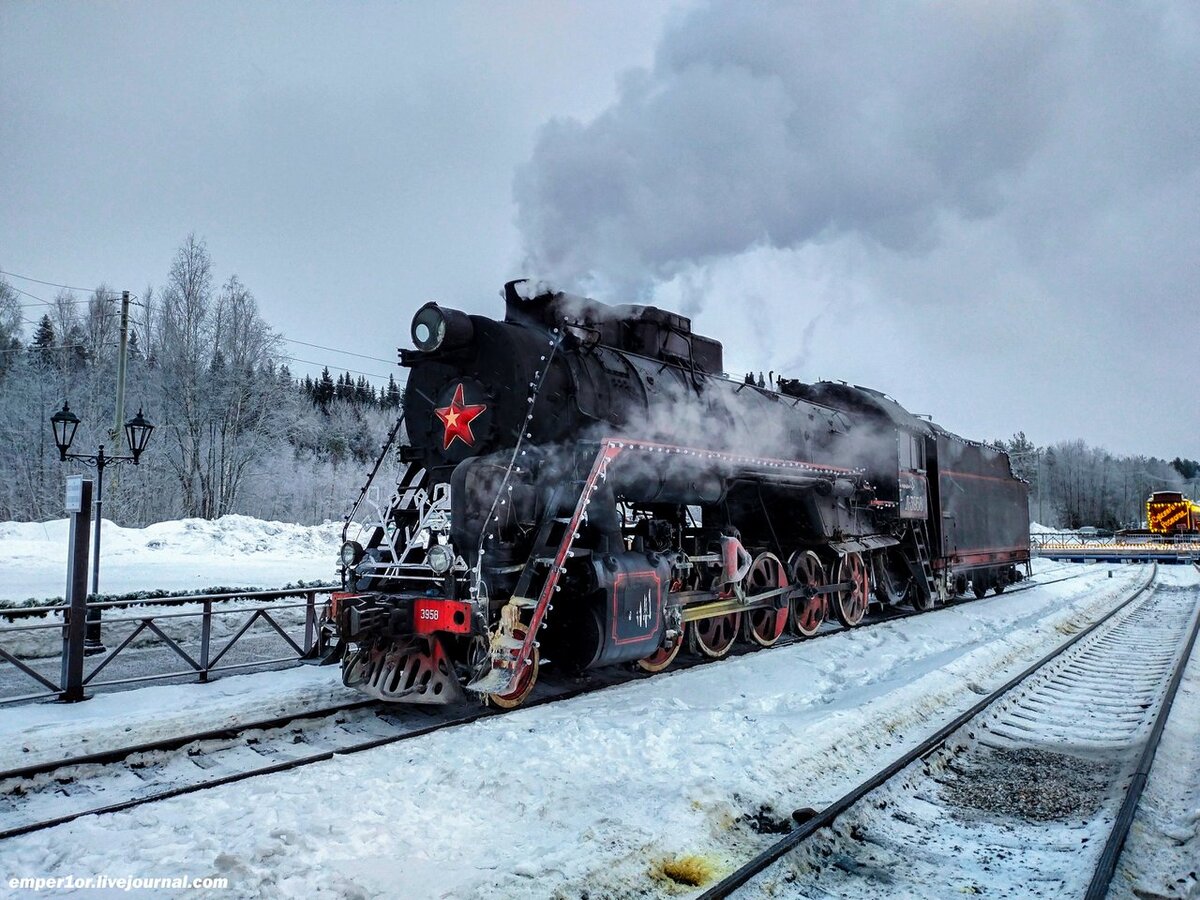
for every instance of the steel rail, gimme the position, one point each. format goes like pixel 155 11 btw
pixel 286 765
pixel 830 814
pixel 594 684
pixel 117 754
pixel 1107 865
pixel 173 743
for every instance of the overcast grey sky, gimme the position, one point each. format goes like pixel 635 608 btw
pixel 991 211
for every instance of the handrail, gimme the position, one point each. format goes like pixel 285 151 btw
pixel 1149 542
pixel 18 611
pixel 68 687
pixel 383 452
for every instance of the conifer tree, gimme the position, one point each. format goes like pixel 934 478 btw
pixel 324 390
pixel 392 398
pixel 43 338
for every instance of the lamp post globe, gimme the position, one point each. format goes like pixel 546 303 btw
pixel 64 422
pixel 137 432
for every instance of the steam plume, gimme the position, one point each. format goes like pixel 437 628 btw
pixel 781 124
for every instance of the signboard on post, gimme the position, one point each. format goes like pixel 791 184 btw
pixel 74 498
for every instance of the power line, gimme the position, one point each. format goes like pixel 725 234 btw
pixel 298 359
pixel 134 297
pixel 287 340
pixel 55 284
pixel 35 349
pixel 112 315
pixel 327 366
pixel 51 303
pixel 336 350
pixel 33 296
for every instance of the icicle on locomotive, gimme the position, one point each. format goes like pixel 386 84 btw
pixel 582 481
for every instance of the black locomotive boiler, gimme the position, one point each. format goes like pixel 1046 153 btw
pixel 581 482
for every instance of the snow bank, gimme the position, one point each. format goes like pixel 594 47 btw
pixel 185 554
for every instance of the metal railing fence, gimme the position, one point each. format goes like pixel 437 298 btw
pixel 78 671
pixel 1075 547
pixel 1055 539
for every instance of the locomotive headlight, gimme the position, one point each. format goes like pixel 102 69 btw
pixel 352 552
pixel 440 558
pixel 436 328
pixel 428 328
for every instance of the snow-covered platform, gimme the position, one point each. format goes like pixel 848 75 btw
pixel 1078 548
pixel 589 795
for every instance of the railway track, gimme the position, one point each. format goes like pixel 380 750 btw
pixel 1030 792
pixel 36 797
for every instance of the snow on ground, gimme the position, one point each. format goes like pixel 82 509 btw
pixel 186 554
pixel 588 796
pixel 969 822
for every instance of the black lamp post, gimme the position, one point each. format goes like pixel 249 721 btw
pixel 137 431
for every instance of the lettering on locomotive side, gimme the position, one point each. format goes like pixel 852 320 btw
pixel 643 614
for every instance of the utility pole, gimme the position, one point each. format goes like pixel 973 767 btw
pixel 119 418
pixel 1041 488
pixel 116 436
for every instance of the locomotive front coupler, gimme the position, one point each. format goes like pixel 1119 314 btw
pixel 402 615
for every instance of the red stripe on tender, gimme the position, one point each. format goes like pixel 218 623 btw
pixel 953 474
pixel 989 555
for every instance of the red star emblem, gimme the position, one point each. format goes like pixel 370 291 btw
pixel 457 418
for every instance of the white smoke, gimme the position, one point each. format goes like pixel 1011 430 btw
pixel 907 195
pixel 781 123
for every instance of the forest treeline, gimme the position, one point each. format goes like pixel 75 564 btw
pixel 238 433
pixel 1072 485
pixel 235 432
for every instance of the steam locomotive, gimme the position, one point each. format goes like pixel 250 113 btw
pixel 580 483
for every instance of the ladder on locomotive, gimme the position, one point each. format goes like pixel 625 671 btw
pixel 565 513
pixel 922 562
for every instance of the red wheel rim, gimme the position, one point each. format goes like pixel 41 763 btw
pixel 663 656
pixel 524 682
pixel 714 637
pixel 765 626
pixel 852 602
pixel 808 612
